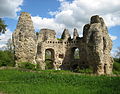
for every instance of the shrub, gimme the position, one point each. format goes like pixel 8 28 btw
pixel 88 71
pixel 49 64
pixel 117 60
pixel 83 70
pixel 26 65
pixel 6 58
pixel 59 39
pixel 116 66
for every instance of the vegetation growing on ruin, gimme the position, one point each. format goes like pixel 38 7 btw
pixel 59 39
pixel 26 65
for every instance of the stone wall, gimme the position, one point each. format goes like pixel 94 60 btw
pixel 24 39
pixel 94 47
pixel 98 45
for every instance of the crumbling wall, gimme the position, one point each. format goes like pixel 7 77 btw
pixel 24 40
pixel 98 46
pixel 94 47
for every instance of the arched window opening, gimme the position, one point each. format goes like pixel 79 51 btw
pixel 49 58
pixel 76 54
pixel 20 36
pixel 105 68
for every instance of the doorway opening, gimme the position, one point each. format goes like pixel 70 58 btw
pixel 75 53
pixel 49 58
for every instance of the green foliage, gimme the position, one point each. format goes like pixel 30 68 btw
pixel 87 71
pixel 2 26
pixel 76 54
pixel 26 65
pixel 116 68
pixel 48 59
pixel 59 39
pixel 6 58
pixel 117 60
pixel 56 71
pixel 118 53
pixel 21 82
pixel 48 54
pixel 84 70
pixel 49 64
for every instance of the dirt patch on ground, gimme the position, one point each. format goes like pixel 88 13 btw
pixel 2 93
pixel 4 67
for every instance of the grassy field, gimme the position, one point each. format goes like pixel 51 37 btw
pixel 14 81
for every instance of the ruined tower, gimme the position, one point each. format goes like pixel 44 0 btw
pixel 24 40
pixel 93 48
pixel 98 45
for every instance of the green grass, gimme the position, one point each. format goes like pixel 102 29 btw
pixel 116 68
pixel 56 82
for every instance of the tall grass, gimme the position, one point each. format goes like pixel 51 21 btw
pixel 21 82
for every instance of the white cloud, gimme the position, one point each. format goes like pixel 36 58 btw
pixel 8 8
pixel 4 38
pixel 2 45
pixel 114 52
pixel 69 15
pixel 41 23
pixel 113 37
pixel 82 10
pixel 77 13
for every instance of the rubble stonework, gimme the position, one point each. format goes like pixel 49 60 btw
pixel 94 47
pixel 24 39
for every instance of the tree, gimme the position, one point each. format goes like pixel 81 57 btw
pixel 7 55
pixel 2 26
pixel 9 45
pixel 6 58
pixel 118 53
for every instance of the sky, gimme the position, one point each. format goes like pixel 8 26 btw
pixel 61 14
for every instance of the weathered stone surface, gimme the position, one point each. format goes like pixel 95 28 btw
pixel 94 47
pixel 24 39
pixel 95 19
pixel 46 34
pixel 75 34
pixel 65 35
pixel 98 46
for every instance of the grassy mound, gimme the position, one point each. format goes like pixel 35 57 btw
pixel 14 81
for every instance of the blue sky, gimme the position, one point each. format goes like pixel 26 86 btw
pixel 60 14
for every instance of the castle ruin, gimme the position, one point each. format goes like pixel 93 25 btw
pixel 94 47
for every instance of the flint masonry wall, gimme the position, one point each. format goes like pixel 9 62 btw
pixel 94 47
pixel 25 40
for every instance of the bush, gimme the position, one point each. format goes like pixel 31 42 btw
pixel 26 65
pixel 116 72
pixel 49 64
pixel 83 70
pixel 6 58
pixel 116 66
pixel 88 71
pixel 59 39
pixel 117 60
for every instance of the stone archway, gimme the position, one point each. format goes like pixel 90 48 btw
pixel 49 58
pixel 75 53
pixel 75 58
